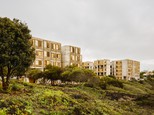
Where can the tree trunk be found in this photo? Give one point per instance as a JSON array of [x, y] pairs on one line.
[[18, 77], [52, 82], [5, 85]]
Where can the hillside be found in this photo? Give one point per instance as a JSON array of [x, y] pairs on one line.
[[31, 99]]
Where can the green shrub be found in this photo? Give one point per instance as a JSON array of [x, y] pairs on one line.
[[17, 87], [2, 112], [16, 106], [110, 81], [92, 82]]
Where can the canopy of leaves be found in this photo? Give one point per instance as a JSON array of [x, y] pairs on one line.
[[15, 48], [52, 72], [34, 73], [77, 74], [16, 52]]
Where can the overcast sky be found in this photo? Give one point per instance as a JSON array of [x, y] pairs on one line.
[[104, 29]]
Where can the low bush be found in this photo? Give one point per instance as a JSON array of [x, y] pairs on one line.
[[17, 87], [110, 81], [15, 107], [2, 112], [92, 82]]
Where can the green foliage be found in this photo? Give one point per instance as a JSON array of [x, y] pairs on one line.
[[93, 82], [142, 74], [34, 74], [17, 87], [15, 106], [67, 100], [104, 82], [2, 111], [145, 100], [112, 76], [76, 74], [52, 72], [110, 81], [16, 52]]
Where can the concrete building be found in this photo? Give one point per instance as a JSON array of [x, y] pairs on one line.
[[88, 65], [47, 52], [126, 69], [71, 55], [102, 67]]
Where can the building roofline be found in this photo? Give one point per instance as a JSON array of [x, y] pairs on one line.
[[44, 39], [70, 46]]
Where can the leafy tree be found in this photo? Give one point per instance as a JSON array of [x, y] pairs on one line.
[[20, 71], [93, 82], [15, 49], [142, 74], [52, 73], [76, 74], [88, 74], [34, 74], [66, 76]]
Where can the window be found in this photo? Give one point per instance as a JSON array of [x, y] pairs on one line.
[[78, 58], [59, 47], [72, 57], [47, 62], [48, 45], [78, 51], [48, 54], [39, 43], [59, 56], [38, 62], [38, 53], [52, 55], [52, 46], [72, 49], [36, 42]]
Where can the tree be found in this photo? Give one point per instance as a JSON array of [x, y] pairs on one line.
[[142, 74], [52, 73], [76, 74], [20, 71], [88, 74], [34, 74], [15, 49]]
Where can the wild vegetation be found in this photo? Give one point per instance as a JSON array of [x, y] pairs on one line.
[[130, 98], [68, 74]]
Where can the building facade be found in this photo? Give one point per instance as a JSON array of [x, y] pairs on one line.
[[47, 52], [71, 55], [126, 69], [88, 65], [102, 67]]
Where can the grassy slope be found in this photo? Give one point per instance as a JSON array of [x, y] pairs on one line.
[[27, 99]]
